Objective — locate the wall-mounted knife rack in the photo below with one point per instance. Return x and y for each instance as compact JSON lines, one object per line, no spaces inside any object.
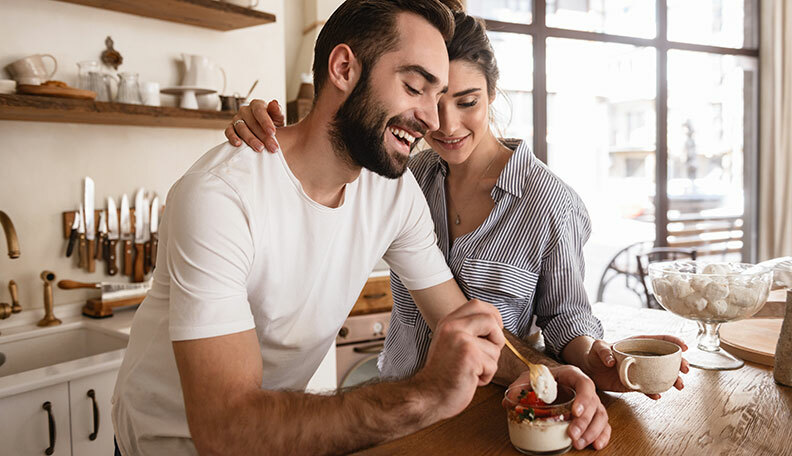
{"x":69,"y":216}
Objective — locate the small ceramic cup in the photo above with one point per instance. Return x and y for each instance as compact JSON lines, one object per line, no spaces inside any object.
{"x":650,"y":366}
{"x":7,"y":86}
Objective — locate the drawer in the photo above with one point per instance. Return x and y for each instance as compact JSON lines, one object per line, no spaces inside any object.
{"x":375,"y":297}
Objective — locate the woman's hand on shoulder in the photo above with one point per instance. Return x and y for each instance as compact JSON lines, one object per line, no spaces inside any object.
{"x":255,"y":124}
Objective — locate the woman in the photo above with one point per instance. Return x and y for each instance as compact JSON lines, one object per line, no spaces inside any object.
{"x":512,"y":232}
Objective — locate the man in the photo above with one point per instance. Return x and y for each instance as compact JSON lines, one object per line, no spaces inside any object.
{"x":265,"y":255}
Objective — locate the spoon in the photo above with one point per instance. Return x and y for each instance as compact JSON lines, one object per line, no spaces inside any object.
{"x":542,"y":380}
{"x":251,"y":89}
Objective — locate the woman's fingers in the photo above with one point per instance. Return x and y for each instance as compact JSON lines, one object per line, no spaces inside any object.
{"x":231,"y":135}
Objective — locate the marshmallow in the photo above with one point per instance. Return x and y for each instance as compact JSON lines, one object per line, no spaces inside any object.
{"x":716,"y":291}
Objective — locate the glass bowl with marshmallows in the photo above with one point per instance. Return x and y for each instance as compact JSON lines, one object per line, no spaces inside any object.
{"x":710,"y":294}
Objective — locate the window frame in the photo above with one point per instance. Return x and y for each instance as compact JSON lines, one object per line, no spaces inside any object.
{"x":539,"y":32}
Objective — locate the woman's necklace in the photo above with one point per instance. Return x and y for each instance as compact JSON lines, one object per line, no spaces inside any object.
{"x":457,"y":221}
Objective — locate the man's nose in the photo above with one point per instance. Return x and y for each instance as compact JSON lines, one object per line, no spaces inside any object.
{"x":427,"y":113}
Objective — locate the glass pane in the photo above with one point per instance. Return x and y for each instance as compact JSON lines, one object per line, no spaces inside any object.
{"x":519,"y":11}
{"x":710,"y":101}
{"x":617,"y":17}
{"x":728,"y":23}
{"x":601,"y":133}
{"x":513,"y":106}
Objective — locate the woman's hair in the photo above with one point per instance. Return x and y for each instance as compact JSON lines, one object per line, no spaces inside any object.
{"x":471,"y":44}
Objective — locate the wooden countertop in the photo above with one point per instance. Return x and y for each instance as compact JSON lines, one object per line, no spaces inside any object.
{"x":739,"y":412}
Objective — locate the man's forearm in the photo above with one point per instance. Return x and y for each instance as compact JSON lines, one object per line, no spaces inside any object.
{"x":510,"y":367}
{"x":283,"y":422}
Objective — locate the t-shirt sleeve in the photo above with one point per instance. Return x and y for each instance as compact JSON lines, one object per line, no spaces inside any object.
{"x":414,"y":254}
{"x":210,"y":254}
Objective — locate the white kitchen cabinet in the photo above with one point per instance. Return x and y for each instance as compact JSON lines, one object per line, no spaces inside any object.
{"x":25,"y":425}
{"x":92,"y":429}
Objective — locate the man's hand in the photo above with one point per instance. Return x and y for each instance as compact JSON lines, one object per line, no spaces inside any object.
{"x":257,"y":128}
{"x":463,"y":355}
{"x":590,"y":422}
{"x":601,"y":365}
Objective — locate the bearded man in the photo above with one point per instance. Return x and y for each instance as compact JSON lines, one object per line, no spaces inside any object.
{"x":263,"y":256}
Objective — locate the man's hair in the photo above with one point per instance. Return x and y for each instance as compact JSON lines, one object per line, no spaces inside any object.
{"x":368,"y":27}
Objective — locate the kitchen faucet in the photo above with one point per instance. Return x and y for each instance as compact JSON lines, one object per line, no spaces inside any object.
{"x":11,"y":236}
{"x":13,"y":252}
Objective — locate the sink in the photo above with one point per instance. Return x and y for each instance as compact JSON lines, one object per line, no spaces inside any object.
{"x":47,"y":347}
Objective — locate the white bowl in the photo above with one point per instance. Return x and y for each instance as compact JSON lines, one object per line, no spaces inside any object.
{"x":7,"y":86}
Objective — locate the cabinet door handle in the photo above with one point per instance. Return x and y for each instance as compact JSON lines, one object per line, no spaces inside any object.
{"x":48,"y":407}
{"x":93,"y":434}
{"x":375,"y":295}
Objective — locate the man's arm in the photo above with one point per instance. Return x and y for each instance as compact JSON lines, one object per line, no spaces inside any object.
{"x":438,"y":301}
{"x":229,"y":413}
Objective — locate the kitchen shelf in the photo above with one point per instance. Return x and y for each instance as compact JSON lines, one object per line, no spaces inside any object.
{"x":52,"y":109}
{"x":211,"y":14}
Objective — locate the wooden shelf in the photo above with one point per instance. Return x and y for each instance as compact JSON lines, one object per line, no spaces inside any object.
{"x":52,"y":109}
{"x":211,"y":14}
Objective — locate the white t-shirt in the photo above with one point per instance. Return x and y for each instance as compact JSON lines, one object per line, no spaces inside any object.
{"x":242,"y":246}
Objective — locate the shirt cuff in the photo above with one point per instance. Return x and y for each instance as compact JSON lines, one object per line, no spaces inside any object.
{"x":564,"y":328}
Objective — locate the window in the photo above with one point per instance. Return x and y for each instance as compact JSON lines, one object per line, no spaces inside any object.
{"x":647,"y":108}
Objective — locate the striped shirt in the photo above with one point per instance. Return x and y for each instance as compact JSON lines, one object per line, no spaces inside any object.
{"x":526,"y":258}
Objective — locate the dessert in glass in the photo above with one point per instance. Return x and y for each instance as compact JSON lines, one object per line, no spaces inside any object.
{"x":537,"y":428}
{"x":710,"y":294}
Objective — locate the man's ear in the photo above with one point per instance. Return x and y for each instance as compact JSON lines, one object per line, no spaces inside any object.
{"x":344,"y":68}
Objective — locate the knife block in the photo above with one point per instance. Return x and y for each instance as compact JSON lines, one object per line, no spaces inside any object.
{"x":95,"y":308}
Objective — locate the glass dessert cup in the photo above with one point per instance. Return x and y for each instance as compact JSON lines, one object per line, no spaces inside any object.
{"x":710,"y":295}
{"x":539,"y":429}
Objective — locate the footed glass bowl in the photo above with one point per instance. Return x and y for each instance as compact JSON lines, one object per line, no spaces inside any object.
{"x":710,"y":294}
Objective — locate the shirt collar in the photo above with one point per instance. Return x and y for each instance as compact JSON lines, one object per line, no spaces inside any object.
{"x":514,"y":176}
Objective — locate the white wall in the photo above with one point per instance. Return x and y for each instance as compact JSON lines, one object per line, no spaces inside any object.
{"x":42,"y":164}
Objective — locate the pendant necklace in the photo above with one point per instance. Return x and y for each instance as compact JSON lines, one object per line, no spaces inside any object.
{"x":457,"y":221}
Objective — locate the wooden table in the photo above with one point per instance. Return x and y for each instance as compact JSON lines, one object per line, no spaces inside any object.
{"x":739,"y":412}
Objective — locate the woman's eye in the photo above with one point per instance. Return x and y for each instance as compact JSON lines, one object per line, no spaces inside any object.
{"x":411,"y":90}
{"x":469,"y":104}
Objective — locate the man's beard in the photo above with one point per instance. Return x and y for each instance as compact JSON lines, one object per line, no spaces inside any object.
{"x":358,"y":130}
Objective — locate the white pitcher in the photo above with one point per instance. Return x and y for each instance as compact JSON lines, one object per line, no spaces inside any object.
{"x":200,"y":72}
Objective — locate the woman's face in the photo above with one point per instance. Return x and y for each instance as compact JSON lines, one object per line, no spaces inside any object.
{"x":464,"y":114}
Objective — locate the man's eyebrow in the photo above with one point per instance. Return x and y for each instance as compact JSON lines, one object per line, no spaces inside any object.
{"x":432,"y":79}
{"x":466,"y":92}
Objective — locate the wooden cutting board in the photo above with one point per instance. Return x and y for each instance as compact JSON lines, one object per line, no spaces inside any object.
{"x":752,"y":340}
{"x":53,"y":91}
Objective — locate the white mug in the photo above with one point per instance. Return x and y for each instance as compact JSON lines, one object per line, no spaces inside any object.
{"x":150,"y":93}
{"x":31,"y":69}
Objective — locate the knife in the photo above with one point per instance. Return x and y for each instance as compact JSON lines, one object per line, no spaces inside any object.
{"x":112,"y":236}
{"x":110,"y":291}
{"x":146,"y":235}
{"x":82,"y":249}
{"x":140,"y":236}
{"x":73,"y":235}
{"x":155,"y":209}
{"x":90,"y":225}
{"x":126,"y":235}
{"x":101,"y":237}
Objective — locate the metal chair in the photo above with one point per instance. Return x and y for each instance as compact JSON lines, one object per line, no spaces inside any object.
{"x":659,"y":254}
{"x":623,"y":265}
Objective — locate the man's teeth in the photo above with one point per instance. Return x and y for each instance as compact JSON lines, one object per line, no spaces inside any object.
{"x":403,"y":134}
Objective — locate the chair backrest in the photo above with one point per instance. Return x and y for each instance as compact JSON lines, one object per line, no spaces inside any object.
{"x":623,"y":265}
{"x":659,"y":254}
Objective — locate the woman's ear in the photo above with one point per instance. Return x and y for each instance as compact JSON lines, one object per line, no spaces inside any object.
{"x":344,"y":68}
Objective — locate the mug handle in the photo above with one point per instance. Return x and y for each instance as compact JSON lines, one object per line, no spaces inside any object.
{"x":54,"y":63}
{"x":224,"y":78}
{"x":625,"y":379}
{"x":254,"y":4}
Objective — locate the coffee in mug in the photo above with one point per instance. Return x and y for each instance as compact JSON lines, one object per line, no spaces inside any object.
{"x":650,"y":366}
